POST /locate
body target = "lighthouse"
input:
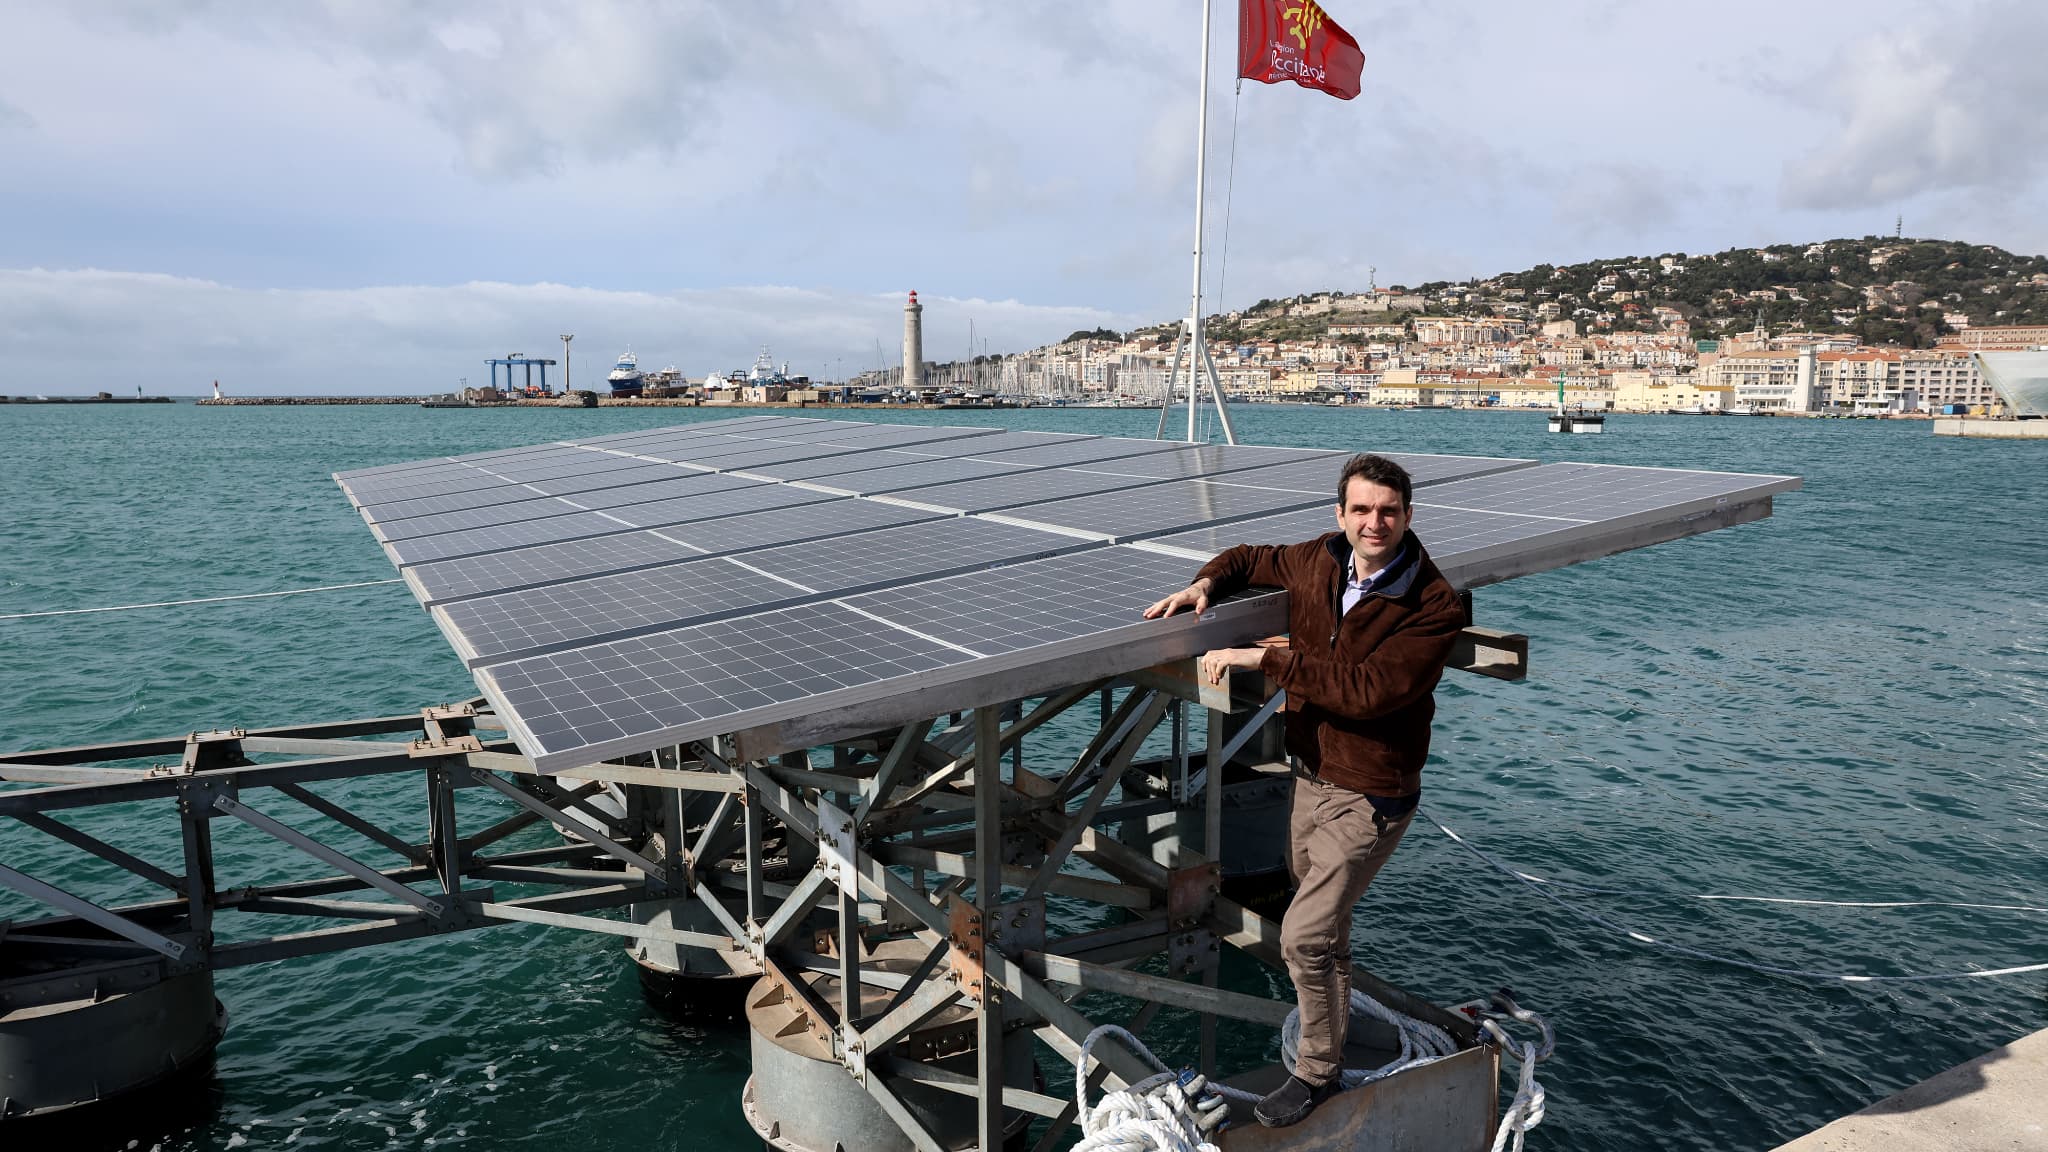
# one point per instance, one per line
(913, 344)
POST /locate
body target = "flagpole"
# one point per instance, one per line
(1201, 183)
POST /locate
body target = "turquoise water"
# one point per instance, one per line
(1843, 702)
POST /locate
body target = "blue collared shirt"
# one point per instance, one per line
(1356, 589)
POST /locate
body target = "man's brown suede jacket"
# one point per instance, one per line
(1359, 684)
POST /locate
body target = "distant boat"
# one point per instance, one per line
(625, 378)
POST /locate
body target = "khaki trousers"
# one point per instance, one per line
(1335, 849)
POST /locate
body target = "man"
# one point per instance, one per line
(1370, 621)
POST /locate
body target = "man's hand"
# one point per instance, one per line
(1215, 663)
(1194, 596)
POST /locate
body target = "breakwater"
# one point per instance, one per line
(102, 398)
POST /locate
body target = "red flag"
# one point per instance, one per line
(1296, 40)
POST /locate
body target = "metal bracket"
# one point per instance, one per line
(1190, 892)
(1490, 652)
(836, 848)
(1191, 951)
(965, 945)
(220, 748)
(427, 749)
(1018, 927)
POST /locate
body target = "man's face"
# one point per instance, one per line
(1374, 520)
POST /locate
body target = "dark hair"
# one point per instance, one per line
(1374, 470)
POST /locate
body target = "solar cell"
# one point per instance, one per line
(449, 580)
(694, 428)
(452, 502)
(994, 443)
(1206, 460)
(516, 493)
(732, 502)
(1034, 604)
(922, 474)
(509, 511)
(1158, 508)
(1320, 476)
(827, 466)
(1083, 451)
(468, 480)
(575, 706)
(494, 628)
(500, 537)
(994, 492)
(1492, 528)
(679, 483)
(588, 462)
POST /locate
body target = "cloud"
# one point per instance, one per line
(176, 334)
(1952, 106)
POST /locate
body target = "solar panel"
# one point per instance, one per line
(589, 462)
(995, 443)
(821, 466)
(581, 488)
(509, 511)
(922, 474)
(498, 538)
(679, 483)
(1158, 508)
(575, 706)
(697, 428)
(452, 502)
(441, 461)
(1035, 604)
(492, 629)
(449, 580)
(1485, 530)
(902, 435)
(1083, 451)
(466, 480)
(694, 449)
(672, 602)
(1320, 476)
(1207, 460)
(994, 492)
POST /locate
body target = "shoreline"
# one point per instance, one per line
(832, 406)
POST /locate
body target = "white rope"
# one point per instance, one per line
(1421, 1043)
(1168, 1113)
(1525, 1111)
(201, 600)
(1541, 888)
(1157, 1114)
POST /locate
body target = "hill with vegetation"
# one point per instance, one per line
(1883, 290)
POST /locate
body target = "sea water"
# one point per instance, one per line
(1843, 702)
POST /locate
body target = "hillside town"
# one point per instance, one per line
(1839, 328)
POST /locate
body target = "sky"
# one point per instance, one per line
(377, 196)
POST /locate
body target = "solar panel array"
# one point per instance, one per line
(620, 592)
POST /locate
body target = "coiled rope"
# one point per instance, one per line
(1180, 1112)
(200, 600)
(1542, 888)
(1421, 1043)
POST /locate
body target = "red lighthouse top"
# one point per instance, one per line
(913, 295)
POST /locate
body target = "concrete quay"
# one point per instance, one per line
(1991, 429)
(1999, 1101)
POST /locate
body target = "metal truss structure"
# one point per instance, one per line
(916, 952)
